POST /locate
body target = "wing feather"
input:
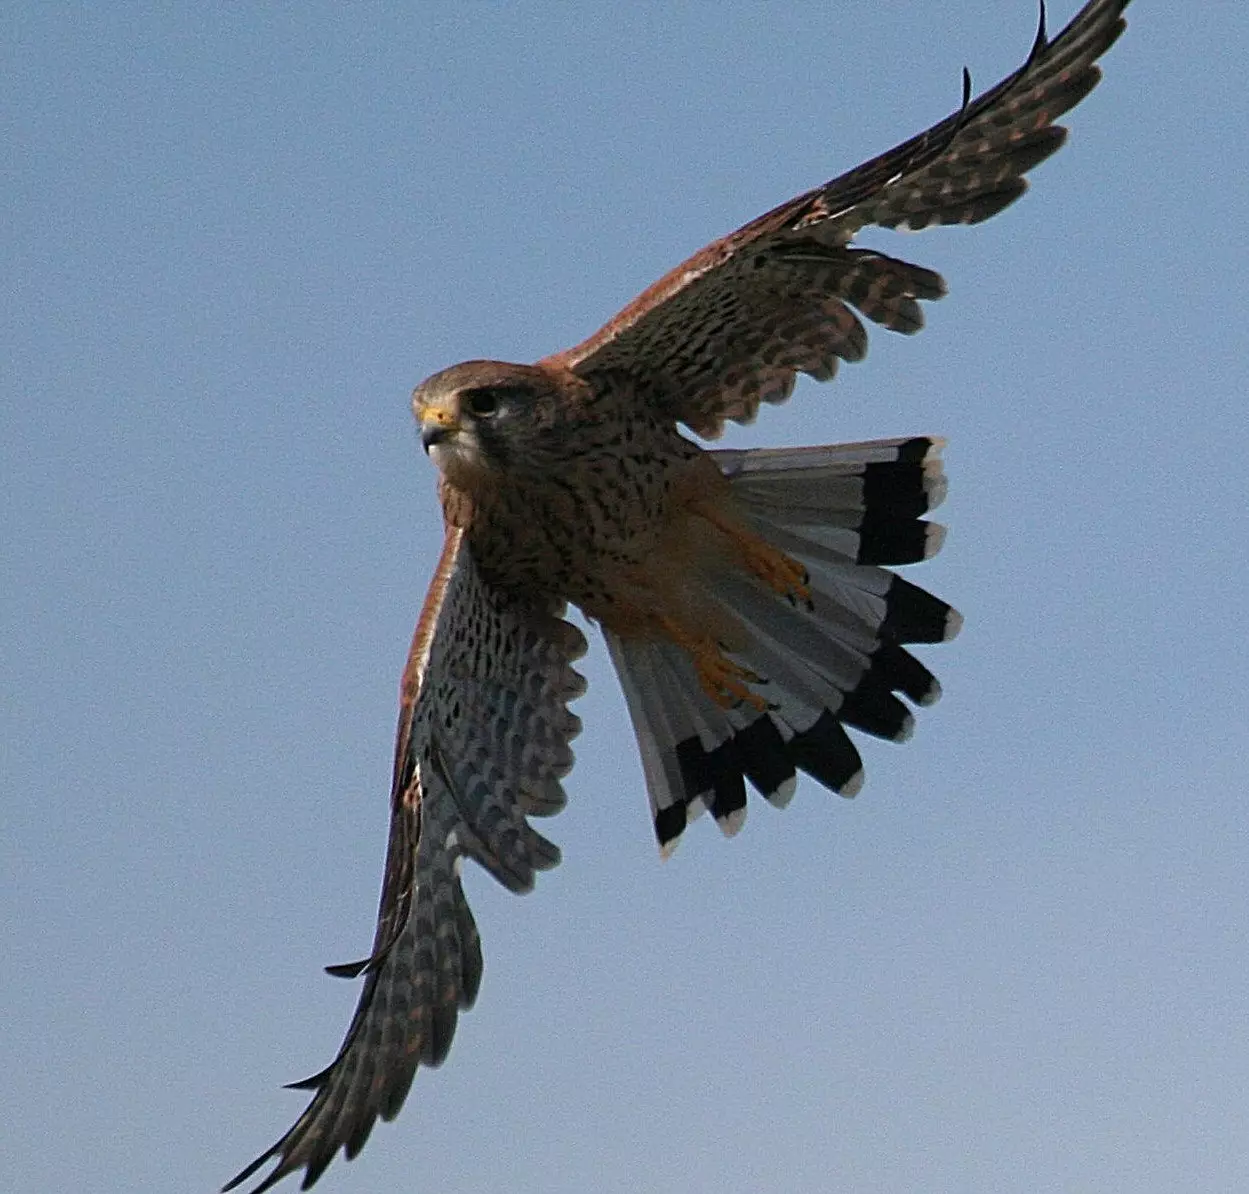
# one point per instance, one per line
(731, 327)
(483, 738)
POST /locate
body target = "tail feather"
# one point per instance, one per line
(709, 762)
(823, 659)
(863, 502)
(657, 735)
(843, 512)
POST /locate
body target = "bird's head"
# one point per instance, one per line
(482, 420)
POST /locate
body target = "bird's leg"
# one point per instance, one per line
(779, 572)
(724, 681)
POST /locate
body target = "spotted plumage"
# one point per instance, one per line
(746, 597)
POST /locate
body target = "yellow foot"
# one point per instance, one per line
(725, 682)
(778, 571)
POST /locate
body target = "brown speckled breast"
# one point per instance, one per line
(591, 531)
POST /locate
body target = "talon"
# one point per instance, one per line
(725, 682)
(782, 574)
(779, 572)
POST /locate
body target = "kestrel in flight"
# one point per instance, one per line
(745, 596)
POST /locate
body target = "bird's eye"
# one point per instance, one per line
(482, 403)
(488, 400)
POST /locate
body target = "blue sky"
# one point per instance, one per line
(237, 237)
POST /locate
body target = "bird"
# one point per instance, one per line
(747, 597)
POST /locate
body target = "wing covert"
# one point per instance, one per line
(483, 742)
(731, 327)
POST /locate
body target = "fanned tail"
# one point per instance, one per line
(843, 512)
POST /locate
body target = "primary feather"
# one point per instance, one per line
(746, 597)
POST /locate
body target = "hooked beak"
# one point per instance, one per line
(437, 426)
(432, 434)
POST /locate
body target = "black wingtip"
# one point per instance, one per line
(317, 1166)
(349, 969)
(239, 1178)
(1041, 42)
(315, 1082)
(373, 961)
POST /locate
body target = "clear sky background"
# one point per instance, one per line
(236, 236)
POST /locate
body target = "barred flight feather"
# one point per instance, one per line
(834, 665)
(581, 471)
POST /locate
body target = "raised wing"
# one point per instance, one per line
(483, 742)
(732, 326)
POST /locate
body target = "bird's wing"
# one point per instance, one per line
(732, 326)
(483, 742)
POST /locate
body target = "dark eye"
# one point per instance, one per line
(482, 403)
(487, 400)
